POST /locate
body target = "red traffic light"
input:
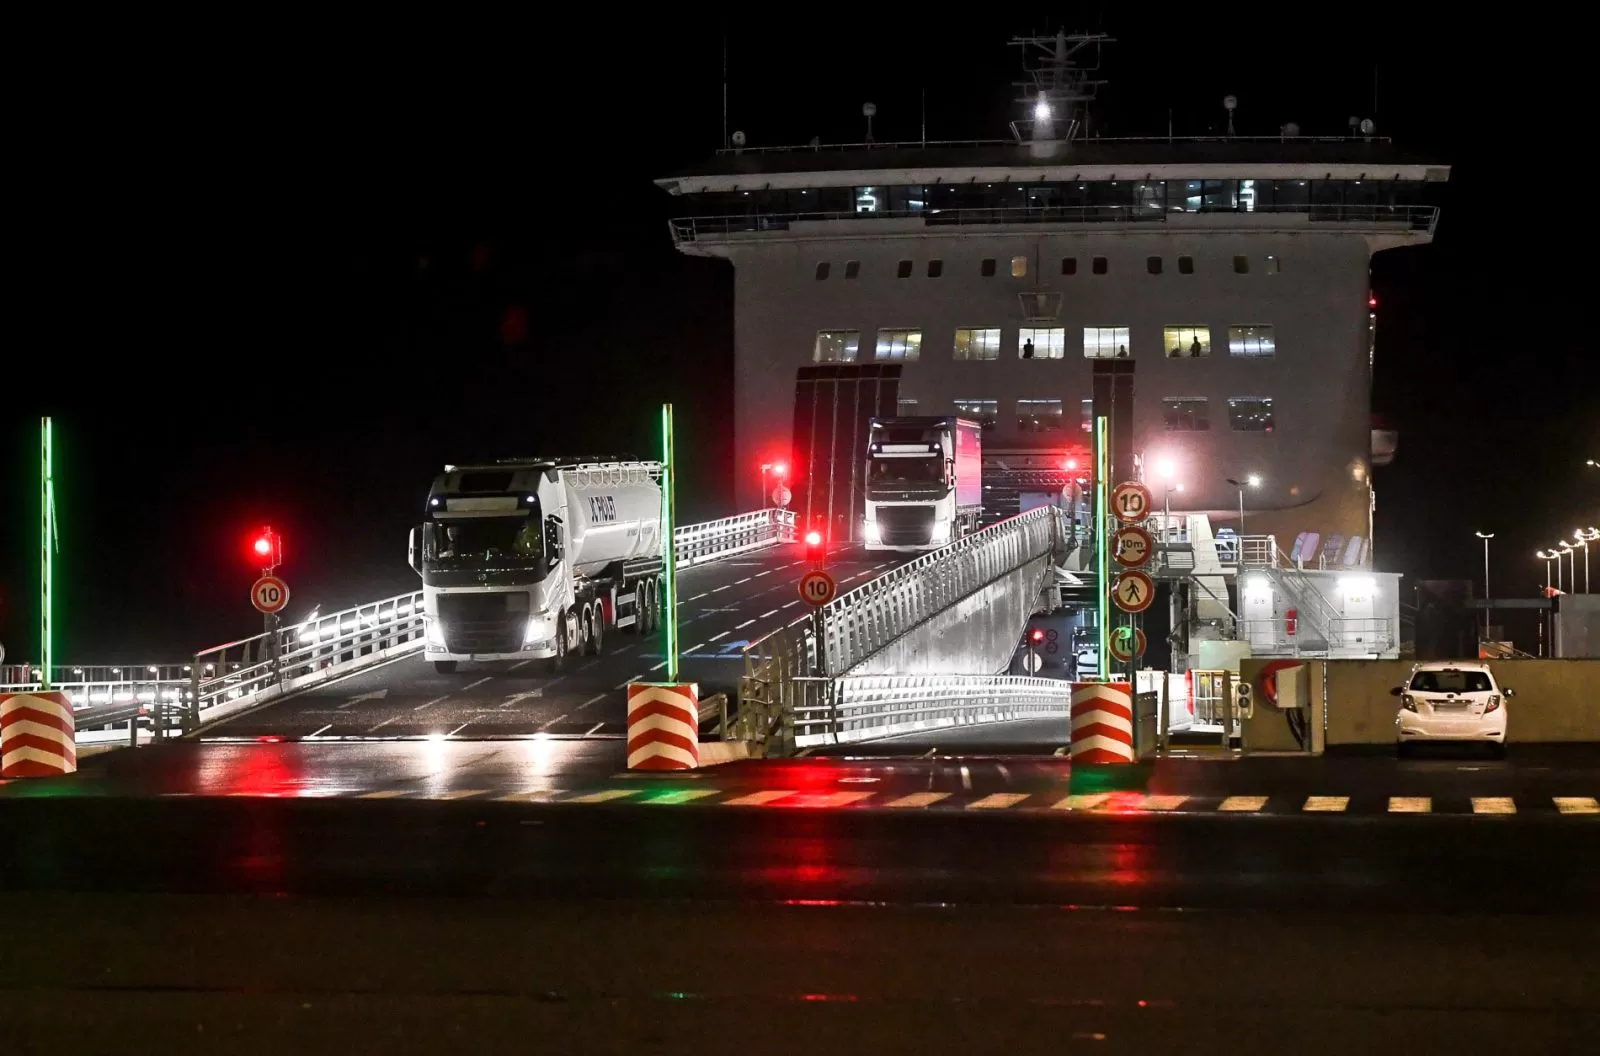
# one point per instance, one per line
(263, 546)
(1037, 635)
(266, 547)
(813, 538)
(780, 469)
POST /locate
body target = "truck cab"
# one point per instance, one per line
(924, 485)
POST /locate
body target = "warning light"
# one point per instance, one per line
(1372, 300)
(263, 546)
(1037, 635)
(813, 538)
(266, 546)
(780, 469)
(1069, 464)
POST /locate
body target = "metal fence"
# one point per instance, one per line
(873, 706)
(170, 698)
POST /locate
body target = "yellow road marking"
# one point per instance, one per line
(1243, 804)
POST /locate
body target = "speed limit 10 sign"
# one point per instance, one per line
(269, 594)
(1130, 502)
(817, 587)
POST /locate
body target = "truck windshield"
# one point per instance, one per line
(892, 471)
(488, 541)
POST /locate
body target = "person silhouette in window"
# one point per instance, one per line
(1194, 349)
(1027, 350)
(1122, 351)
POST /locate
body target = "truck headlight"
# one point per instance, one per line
(435, 633)
(940, 534)
(540, 628)
(869, 531)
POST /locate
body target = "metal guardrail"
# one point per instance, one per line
(944, 144)
(791, 672)
(690, 229)
(225, 679)
(872, 706)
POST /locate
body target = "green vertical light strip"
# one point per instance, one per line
(669, 522)
(47, 541)
(1102, 527)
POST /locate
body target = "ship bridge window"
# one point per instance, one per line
(1019, 267)
(1039, 416)
(986, 269)
(907, 199)
(870, 199)
(1204, 196)
(1105, 342)
(1185, 414)
(978, 343)
(1251, 341)
(836, 346)
(984, 412)
(1272, 263)
(1042, 343)
(1250, 414)
(901, 345)
(1187, 342)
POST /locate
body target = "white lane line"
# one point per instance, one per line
(757, 799)
(553, 721)
(604, 797)
(458, 729)
(692, 648)
(624, 683)
(1493, 805)
(742, 582)
(387, 793)
(743, 625)
(329, 726)
(791, 604)
(697, 597)
(519, 663)
(596, 727)
(966, 779)
(658, 667)
(997, 801)
(758, 575)
(1576, 804)
(919, 799)
(592, 700)
(428, 704)
(479, 682)
(1410, 804)
(725, 586)
(1243, 804)
(718, 637)
(764, 615)
(1326, 804)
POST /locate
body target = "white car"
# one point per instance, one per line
(1452, 700)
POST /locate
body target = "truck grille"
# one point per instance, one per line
(905, 525)
(483, 623)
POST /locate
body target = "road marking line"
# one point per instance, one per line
(592, 700)
(329, 726)
(479, 682)
(718, 637)
(758, 575)
(790, 605)
(596, 727)
(658, 667)
(543, 795)
(1084, 801)
(743, 625)
(1162, 802)
(1410, 805)
(919, 799)
(682, 795)
(697, 597)
(387, 793)
(552, 722)
(830, 799)
(519, 663)
(1244, 804)
(458, 729)
(1577, 804)
(1326, 803)
(456, 793)
(742, 582)
(692, 648)
(764, 615)
(624, 684)
(604, 797)
(758, 799)
(997, 801)
(722, 588)
(1493, 805)
(429, 704)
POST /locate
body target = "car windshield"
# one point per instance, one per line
(892, 471)
(1451, 681)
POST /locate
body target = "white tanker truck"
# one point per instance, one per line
(538, 558)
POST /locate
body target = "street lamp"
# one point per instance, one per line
(1252, 481)
(1546, 558)
(1571, 552)
(1584, 538)
(1485, 536)
(1549, 555)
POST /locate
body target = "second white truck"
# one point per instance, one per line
(924, 482)
(538, 558)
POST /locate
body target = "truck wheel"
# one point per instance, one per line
(641, 611)
(655, 605)
(445, 667)
(562, 633)
(597, 628)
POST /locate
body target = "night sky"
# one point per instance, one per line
(288, 282)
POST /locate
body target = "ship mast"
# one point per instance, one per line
(1057, 90)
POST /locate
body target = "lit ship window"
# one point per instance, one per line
(1019, 267)
(1251, 341)
(984, 412)
(1250, 414)
(1187, 342)
(1039, 416)
(1042, 343)
(978, 343)
(1105, 342)
(1086, 415)
(901, 345)
(1185, 414)
(836, 346)
(1272, 264)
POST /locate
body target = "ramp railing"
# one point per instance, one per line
(867, 707)
(224, 679)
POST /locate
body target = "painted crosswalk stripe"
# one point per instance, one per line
(1326, 803)
(541, 795)
(1086, 801)
(757, 799)
(1243, 804)
(386, 793)
(1577, 804)
(682, 795)
(1493, 805)
(997, 801)
(828, 799)
(919, 799)
(1410, 804)
(1163, 802)
(604, 797)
